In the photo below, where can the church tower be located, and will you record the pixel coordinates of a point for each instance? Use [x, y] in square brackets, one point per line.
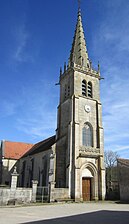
[79, 136]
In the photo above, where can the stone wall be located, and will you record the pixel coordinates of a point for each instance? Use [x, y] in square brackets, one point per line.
[59, 194]
[20, 195]
[15, 195]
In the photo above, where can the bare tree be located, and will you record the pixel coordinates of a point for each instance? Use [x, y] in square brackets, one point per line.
[112, 190]
[111, 158]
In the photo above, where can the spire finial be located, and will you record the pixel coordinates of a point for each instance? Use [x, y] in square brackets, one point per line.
[79, 5]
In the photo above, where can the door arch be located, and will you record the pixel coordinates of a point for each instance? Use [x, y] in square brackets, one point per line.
[89, 182]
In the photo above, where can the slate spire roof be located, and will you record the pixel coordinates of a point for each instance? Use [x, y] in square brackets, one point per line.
[79, 54]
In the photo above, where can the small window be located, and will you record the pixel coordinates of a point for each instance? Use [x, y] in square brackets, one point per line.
[87, 135]
[84, 88]
[89, 89]
[68, 90]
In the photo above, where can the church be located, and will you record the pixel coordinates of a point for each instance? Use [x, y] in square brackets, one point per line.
[72, 161]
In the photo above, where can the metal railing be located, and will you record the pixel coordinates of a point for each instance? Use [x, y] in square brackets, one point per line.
[43, 194]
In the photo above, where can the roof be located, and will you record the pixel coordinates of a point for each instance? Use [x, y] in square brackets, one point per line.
[123, 161]
[15, 150]
[41, 146]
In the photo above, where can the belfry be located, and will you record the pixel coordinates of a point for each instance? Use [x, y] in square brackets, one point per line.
[79, 135]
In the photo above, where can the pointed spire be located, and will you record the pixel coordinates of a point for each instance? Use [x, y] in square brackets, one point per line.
[79, 54]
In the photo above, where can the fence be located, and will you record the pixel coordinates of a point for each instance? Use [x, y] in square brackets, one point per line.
[43, 194]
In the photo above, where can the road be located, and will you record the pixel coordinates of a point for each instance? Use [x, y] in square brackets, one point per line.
[76, 213]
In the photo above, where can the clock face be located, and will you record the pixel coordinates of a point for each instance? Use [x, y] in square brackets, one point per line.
[87, 108]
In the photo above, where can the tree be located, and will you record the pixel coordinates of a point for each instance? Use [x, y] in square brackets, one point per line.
[111, 158]
[112, 190]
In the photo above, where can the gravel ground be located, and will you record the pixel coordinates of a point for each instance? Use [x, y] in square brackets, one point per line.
[80, 213]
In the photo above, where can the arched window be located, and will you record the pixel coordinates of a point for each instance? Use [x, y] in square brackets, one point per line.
[89, 89]
[84, 88]
[87, 135]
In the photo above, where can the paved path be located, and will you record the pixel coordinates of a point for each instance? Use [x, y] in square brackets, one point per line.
[76, 213]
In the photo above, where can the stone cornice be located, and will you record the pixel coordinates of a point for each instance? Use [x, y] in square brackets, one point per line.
[89, 151]
[85, 70]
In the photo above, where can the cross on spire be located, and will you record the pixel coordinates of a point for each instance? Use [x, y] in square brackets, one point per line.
[79, 4]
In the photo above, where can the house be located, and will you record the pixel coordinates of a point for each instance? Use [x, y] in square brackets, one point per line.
[10, 153]
[123, 177]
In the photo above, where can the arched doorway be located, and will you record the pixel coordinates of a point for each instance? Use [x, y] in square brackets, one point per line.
[89, 183]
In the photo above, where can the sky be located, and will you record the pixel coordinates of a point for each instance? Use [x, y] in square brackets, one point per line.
[35, 40]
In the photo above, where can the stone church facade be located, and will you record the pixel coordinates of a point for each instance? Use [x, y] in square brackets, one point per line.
[80, 144]
[78, 148]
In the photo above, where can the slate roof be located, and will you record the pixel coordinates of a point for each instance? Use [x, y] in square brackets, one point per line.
[123, 161]
[14, 150]
[41, 146]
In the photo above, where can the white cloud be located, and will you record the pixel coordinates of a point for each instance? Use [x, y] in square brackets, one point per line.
[8, 107]
[115, 112]
[111, 45]
[38, 116]
[21, 36]
[38, 128]
[33, 110]
[121, 148]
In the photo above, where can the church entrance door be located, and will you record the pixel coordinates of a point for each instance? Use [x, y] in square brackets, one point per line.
[86, 189]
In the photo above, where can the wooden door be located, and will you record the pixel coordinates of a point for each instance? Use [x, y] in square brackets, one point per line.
[86, 189]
